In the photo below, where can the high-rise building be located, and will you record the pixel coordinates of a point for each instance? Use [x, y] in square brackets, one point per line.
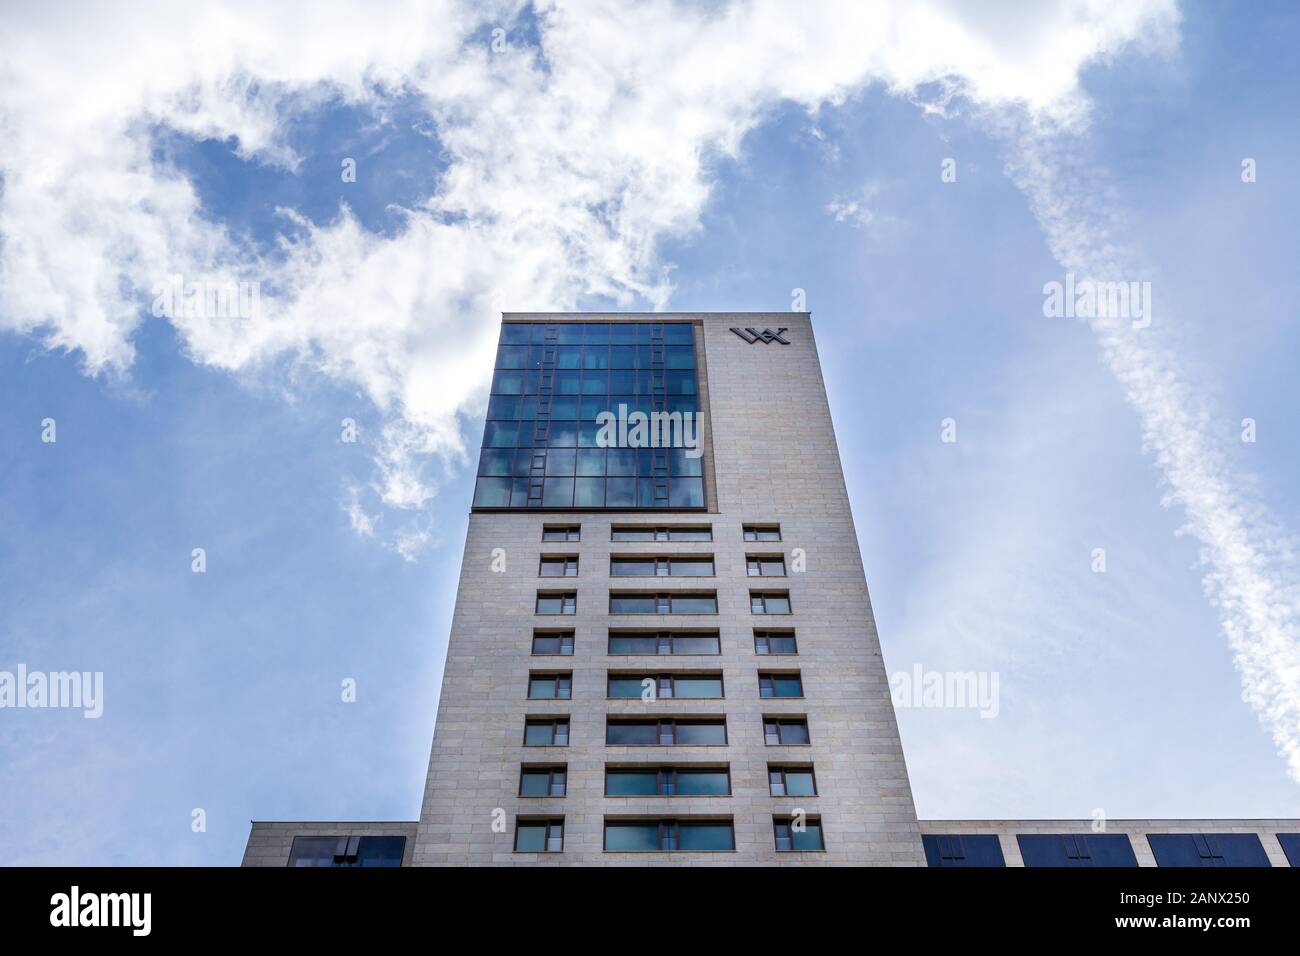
[663, 647]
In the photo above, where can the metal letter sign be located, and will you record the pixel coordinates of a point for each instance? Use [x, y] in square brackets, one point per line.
[767, 336]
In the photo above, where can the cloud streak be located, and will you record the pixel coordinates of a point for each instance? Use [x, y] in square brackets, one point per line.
[1250, 569]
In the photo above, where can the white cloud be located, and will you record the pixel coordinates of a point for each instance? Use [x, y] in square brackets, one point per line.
[564, 175]
[1250, 569]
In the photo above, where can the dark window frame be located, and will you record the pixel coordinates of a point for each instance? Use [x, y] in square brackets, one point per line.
[783, 769]
[669, 833]
[663, 565]
[551, 770]
[561, 636]
[561, 678]
[769, 678]
[780, 722]
[551, 824]
[568, 603]
[555, 723]
[666, 780]
[755, 563]
[661, 533]
[763, 596]
[766, 635]
[662, 639]
[786, 822]
[752, 531]
[671, 678]
[571, 532]
[671, 724]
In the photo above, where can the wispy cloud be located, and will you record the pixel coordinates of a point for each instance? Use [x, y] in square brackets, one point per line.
[566, 166]
[1250, 571]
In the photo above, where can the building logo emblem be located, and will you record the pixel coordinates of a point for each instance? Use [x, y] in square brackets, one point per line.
[767, 336]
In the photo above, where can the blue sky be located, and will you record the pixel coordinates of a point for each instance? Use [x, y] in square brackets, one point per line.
[328, 560]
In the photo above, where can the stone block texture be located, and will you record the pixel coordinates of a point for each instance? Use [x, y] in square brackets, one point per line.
[269, 843]
[771, 458]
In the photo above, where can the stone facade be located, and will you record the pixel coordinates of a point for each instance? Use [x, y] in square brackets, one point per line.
[772, 459]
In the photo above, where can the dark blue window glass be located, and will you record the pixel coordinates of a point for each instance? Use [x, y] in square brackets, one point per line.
[1290, 846]
[1076, 849]
[347, 851]
[554, 385]
[962, 850]
[1207, 849]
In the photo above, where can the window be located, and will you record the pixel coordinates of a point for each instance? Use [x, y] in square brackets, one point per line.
[557, 602]
[1207, 849]
[668, 782]
[666, 686]
[644, 602]
[785, 732]
[791, 781]
[1076, 849]
[704, 732]
[775, 642]
[765, 566]
[546, 643]
[780, 685]
[546, 732]
[661, 567]
[543, 781]
[669, 836]
[794, 835]
[550, 686]
[541, 442]
[1290, 846]
[663, 642]
[347, 851]
[661, 533]
[562, 532]
[762, 532]
[962, 850]
[539, 836]
[769, 602]
[558, 566]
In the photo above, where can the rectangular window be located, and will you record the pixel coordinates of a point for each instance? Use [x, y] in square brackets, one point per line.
[558, 566]
[661, 567]
[962, 850]
[1207, 849]
[347, 851]
[798, 836]
[539, 836]
[663, 642]
[791, 781]
[762, 532]
[780, 685]
[546, 732]
[543, 781]
[769, 602]
[665, 686]
[669, 836]
[660, 533]
[765, 566]
[557, 643]
[643, 602]
[1076, 849]
[561, 532]
[550, 686]
[785, 731]
[775, 642]
[668, 782]
[706, 732]
[557, 602]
